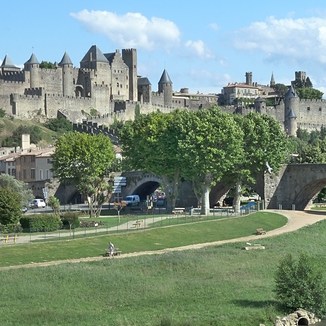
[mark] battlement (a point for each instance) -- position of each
(12, 82)
(313, 101)
(38, 91)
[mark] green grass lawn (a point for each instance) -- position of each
(144, 240)
(219, 285)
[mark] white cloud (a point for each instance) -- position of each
(289, 38)
(131, 29)
(199, 49)
(214, 26)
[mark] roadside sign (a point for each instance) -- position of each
(116, 189)
(120, 181)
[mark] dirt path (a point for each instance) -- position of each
(296, 220)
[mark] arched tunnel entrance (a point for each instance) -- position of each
(303, 321)
(146, 189)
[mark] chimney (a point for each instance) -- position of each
(26, 143)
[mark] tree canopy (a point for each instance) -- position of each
(197, 146)
(10, 206)
(264, 145)
(85, 160)
(20, 188)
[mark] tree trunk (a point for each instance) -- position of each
(205, 201)
(237, 195)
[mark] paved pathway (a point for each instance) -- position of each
(296, 220)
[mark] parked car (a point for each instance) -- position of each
(252, 205)
(132, 200)
(38, 203)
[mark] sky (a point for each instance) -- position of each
(202, 45)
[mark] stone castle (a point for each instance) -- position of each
(106, 87)
(107, 84)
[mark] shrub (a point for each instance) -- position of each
(70, 220)
(40, 222)
(90, 224)
(10, 228)
(299, 284)
(10, 206)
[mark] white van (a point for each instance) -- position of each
(132, 200)
(37, 203)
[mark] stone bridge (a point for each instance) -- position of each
(293, 187)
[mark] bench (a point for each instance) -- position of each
(260, 231)
(137, 224)
(116, 252)
(178, 210)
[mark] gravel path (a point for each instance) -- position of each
(296, 220)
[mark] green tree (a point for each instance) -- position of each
(59, 125)
(48, 65)
(85, 160)
(264, 144)
(15, 140)
(280, 89)
(20, 188)
(2, 113)
(309, 93)
(300, 284)
(10, 206)
(54, 203)
(211, 145)
(150, 143)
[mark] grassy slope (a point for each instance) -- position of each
(7, 126)
(221, 285)
(153, 239)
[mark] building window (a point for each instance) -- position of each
(33, 158)
(41, 174)
(24, 174)
(32, 174)
(308, 108)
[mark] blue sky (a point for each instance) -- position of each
(203, 45)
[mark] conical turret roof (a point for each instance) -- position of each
(32, 60)
(65, 60)
(165, 78)
(7, 63)
(291, 92)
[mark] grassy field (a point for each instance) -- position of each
(220, 285)
(142, 240)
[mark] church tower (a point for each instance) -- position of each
(272, 82)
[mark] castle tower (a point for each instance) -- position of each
(165, 87)
(248, 78)
(144, 90)
(272, 82)
(7, 65)
(67, 75)
(33, 66)
(260, 105)
(129, 56)
(292, 103)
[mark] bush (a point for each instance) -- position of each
(70, 220)
(40, 222)
(299, 284)
(10, 206)
(10, 228)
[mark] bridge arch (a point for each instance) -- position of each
(294, 186)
